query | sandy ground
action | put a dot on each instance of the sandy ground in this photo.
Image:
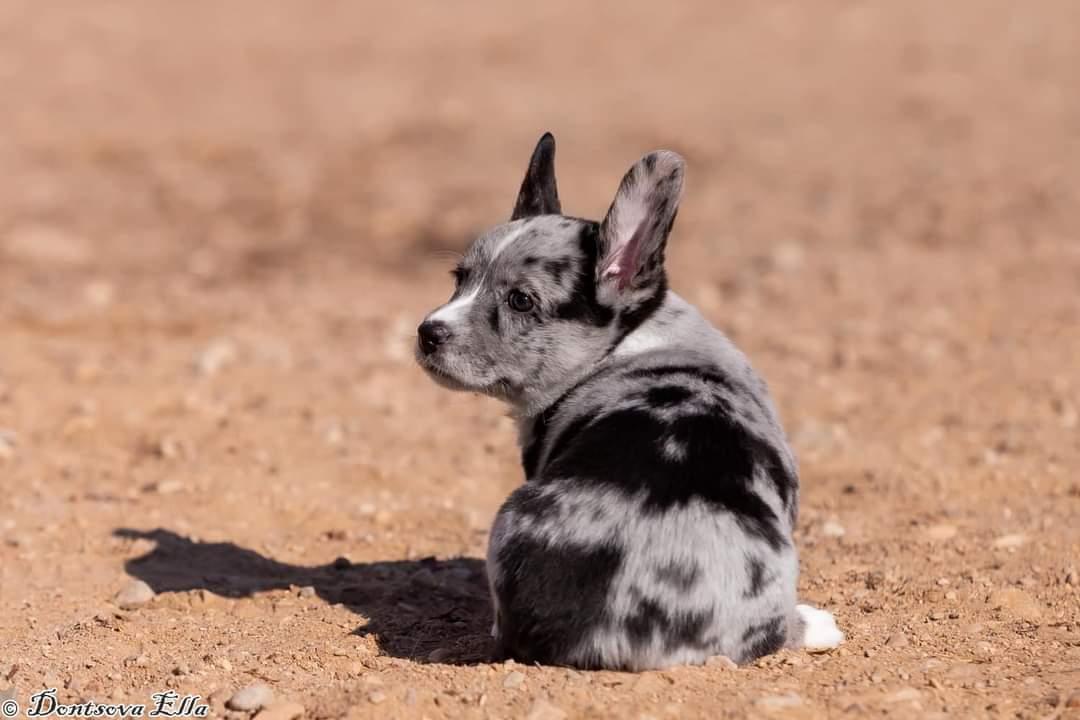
(220, 223)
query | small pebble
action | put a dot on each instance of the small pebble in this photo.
(181, 670)
(897, 640)
(216, 356)
(832, 529)
(779, 702)
(99, 293)
(7, 444)
(1010, 541)
(307, 592)
(165, 487)
(1073, 578)
(907, 694)
(376, 696)
(251, 698)
(1016, 602)
(281, 711)
(543, 710)
(941, 532)
(135, 594)
(167, 449)
(513, 680)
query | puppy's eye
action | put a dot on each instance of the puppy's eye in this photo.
(459, 276)
(519, 301)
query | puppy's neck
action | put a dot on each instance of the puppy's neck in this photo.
(673, 324)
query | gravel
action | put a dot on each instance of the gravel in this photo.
(251, 698)
(1016, 602)
(135, 594)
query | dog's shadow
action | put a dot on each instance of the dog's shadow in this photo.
(413, 607)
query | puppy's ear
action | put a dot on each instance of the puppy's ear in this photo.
(633, 236)
(538, 195)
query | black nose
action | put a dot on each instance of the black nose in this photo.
(432, 334)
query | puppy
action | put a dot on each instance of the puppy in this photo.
(655, 526)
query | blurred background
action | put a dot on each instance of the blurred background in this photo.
(221, 222)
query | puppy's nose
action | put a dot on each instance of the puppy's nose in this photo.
(432, 334)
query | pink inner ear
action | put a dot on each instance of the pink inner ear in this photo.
(623, 261)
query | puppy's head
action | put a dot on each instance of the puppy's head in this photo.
(539, 300)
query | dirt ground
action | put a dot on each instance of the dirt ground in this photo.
(221, 222)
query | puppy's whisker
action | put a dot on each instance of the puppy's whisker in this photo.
(444, 255)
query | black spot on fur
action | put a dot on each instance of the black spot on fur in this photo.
(582, 306)
(493, 318)
(667, 396)
(764, 639)
(530, 260)
(755, 569)
(570, 433)
(551, 596)
(631, 318)
(530, 501)
(675, 629)
(783, 476)
(650, 162)
(680, 576)
(558, 268)
(622, 450)
(530, 455)
(659, 211)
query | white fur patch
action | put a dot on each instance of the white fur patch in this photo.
(821, 632)
(674, 449)
(643, 340)
(505, 241)
(455, 310)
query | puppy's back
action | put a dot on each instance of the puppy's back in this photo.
(656, 524)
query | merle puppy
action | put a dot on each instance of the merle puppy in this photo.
(655, 525)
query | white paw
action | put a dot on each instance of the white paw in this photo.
(821, 632)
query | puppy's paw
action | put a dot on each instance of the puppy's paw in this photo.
(819, 629)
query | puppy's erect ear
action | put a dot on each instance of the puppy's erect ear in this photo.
(538, 195)
(630, 257)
